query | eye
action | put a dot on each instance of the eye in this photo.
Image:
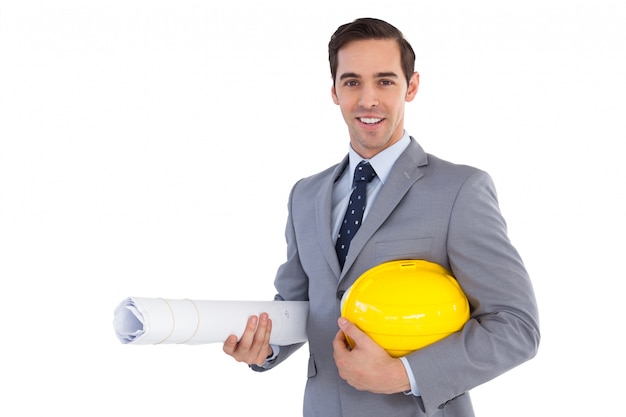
(351, 83)
(386, 82)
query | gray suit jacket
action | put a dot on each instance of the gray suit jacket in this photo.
(427, 209)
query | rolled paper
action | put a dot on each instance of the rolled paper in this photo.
(146, 321)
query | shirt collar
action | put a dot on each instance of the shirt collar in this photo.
(384, 160)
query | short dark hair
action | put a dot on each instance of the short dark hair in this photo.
(370, 28)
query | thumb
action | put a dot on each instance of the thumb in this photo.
(352, 332)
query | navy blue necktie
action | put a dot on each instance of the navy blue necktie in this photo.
(363, 174)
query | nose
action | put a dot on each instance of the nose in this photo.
(368, 98)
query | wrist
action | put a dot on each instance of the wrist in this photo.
(401, 379)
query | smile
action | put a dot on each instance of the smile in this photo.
(370, 120)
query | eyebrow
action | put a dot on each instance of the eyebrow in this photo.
(389, 74)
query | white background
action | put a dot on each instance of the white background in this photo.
(127, 131)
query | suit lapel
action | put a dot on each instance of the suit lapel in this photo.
(323, 209)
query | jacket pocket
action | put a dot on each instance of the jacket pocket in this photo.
(403, 249)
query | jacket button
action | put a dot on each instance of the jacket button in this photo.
(340, 294)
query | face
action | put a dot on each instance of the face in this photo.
(371, 91)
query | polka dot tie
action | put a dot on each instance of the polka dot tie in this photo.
(363, 174)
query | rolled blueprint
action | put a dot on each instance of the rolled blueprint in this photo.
(144, 321)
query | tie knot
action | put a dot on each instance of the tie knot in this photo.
(364, 172)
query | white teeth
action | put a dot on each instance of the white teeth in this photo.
(369, 120)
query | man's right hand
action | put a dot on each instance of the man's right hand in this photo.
(254, 346)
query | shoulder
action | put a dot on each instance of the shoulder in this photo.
(439, 173)
(315, 181)
(437, 165)
(434, 167)
(445, 178)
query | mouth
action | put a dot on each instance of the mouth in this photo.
(370, 121)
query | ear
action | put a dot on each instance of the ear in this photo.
(333, 93)
(414, 83)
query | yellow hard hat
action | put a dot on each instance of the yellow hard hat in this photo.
(405, 305)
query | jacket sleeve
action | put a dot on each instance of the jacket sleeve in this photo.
(503, 330)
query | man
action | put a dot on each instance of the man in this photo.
(417, 207)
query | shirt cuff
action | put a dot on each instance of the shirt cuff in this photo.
(269, 360)
(414, 389)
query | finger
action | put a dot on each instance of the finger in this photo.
(230, 345)
(260, 347)
(245, 343)
(267, 351)
(267, 325)
(339, 342)
(341, 354)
